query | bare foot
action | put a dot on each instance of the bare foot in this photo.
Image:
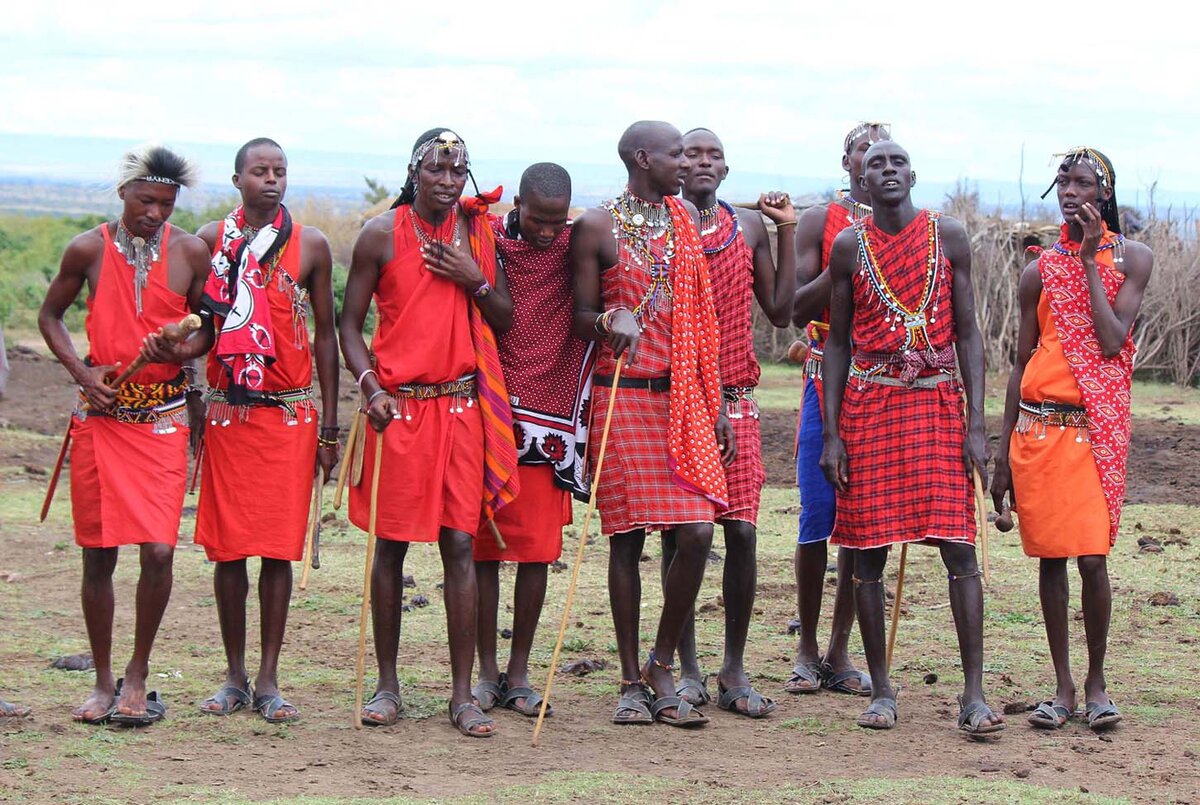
(97, 706)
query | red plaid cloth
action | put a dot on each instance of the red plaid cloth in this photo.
(637, 486)
(746, 476)
(731, 271)
(906, 477)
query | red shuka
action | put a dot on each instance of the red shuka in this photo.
(731, 270)
(127, 481)
(906, 477)
(258, 465)
(432, 470)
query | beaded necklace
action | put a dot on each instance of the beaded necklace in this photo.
(139, 253)
(737, 228)
(1117, 243)
(709, 220)
(855, 210)
(915, 319)
(640, 223)
(437, 234)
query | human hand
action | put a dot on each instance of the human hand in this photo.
(726, 440)
(778, 207)
(835, 463)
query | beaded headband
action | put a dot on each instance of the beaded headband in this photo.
(157, 179)
(865, 127)
(1094, 160)
(446, 141)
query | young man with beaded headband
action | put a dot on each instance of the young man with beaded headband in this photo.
(261, 441)
(814, 239)
(435, 399)
(1065, 441)
(740, 268)
(129, 442)
(642, 289)
(897, 449)
(546, 368)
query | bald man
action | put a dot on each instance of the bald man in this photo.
(642, 290)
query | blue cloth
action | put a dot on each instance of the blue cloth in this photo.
(817, 497)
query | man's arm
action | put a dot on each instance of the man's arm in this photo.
(458, 265)
(365, 263)
(1113, 322)
(813, 284)
(1029, 291)
(315, 247)
(157, 349)
(588, 254)
(835, 367)
(774, 288)
(957, 248)
(83, 252)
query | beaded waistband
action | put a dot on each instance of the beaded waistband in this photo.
(292, 402)
(926, 382)
(163, 405)
(1033, 415)
(462, 387)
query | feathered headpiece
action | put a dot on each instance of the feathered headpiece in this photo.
(155, 163)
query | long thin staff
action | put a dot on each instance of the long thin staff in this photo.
(314, 521)
(583, 532)
(981, 514)
(366, 599)
(896, 604)
(347, 459)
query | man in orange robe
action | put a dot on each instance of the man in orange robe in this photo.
(642, 288)
(261, 440)
(545, 369)
(435, 400)
(129, 443)
(1066, 418)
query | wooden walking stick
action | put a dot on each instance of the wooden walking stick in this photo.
(366, 599)
(981, 513)
(173, 333)
(347, 459)
(314, 525)
(896, 604)
(587, 518)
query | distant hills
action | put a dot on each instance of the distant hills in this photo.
(73, 175)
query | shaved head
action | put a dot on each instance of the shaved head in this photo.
(645, 135)
(886, 146)
(700, 131)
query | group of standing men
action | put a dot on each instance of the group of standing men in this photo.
(498, 342)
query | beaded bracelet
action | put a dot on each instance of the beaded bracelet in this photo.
(323, 442)
(785, 223)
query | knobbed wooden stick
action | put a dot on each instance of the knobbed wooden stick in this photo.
(313, 524)
(587, 519)
(366, 600)
(896, 605)
(981, 513)
(173, 333)
(347, 459)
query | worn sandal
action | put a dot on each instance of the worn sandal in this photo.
(693, 691)
(372, 707)
(240, 698)
(1102, 716)
(155, 711)
(104, 716)
(840, 682)
(465, 726)
(533, 702)
(806, 678)
(757, 705)
(1049, 716)
(488, 693)
(269, 705)
(885, 708)
(635, 700)
(686, 715)
(972, 716)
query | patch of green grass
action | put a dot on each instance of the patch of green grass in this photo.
(577, 644)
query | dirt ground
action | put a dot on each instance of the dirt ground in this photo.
(808, 742)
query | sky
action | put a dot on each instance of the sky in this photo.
(967, 87)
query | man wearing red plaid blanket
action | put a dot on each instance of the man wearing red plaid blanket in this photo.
(642, 288)
(897, 449)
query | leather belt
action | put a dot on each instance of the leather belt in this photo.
(657, 384)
